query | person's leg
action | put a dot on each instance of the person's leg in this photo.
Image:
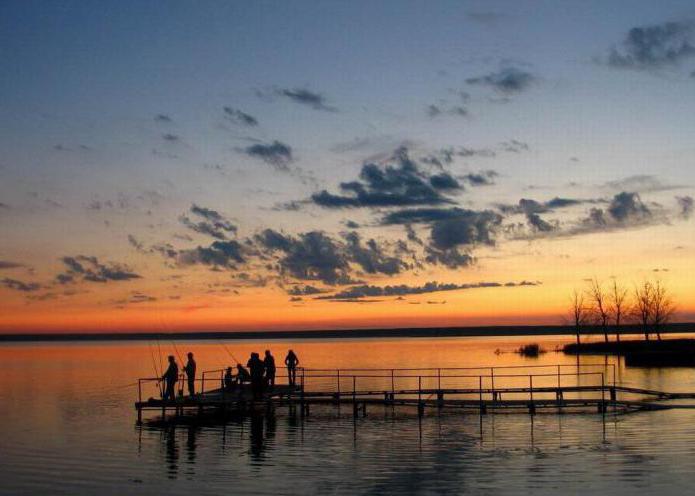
(191, 386)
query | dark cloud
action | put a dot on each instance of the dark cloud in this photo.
(309, 256)
(136, 297)
(368, 291)
(509, 80)
(305, 290)
(370, 257)
(654, 46)
(628, 207)
(451, 258)
(171, 138)
(444, 181)
(625, 210)
(685, 206)
(5, 264)
(163, 118)
(400, 182)
(213, 223)
(88, 268)
(469, 228)
(239, 117)
(277, 154)
(529, 206)
(539, 224)
(305, 97)
(16, 285)
(482, 178)
(351, 224)
(4, 205)
(225, 254)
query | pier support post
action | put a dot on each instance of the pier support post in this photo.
(420, 408)
(532, 408)
(139, 415)
(440, 399)
(613, 394)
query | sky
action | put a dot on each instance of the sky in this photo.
(170, 166)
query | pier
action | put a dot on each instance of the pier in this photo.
(512, 389)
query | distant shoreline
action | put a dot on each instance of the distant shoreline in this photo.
(415, 332)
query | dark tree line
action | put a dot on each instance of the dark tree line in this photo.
(650, 305)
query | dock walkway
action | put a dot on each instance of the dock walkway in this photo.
(551, 388)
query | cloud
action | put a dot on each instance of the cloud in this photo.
(277, 154)
(508, 81)
(213, 223)
(239, 117)
(4, 206)
(368, 291)
(5, 264)
(305, 290)
(135, 243)
(641, 183)
(482, 178)
(219, 254)
(529, 206)
(685, 204)
(87, 268)
(20, 285)
(306, 97)
(171, 138)
(539, 224)
(136, 297)
(469, 228)
(653, 47)
(371, 258)
(437, 110)
(163, 118)
(400, 182)
(451, 258)
(309, 256)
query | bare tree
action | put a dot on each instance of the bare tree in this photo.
(599, 305)
(642, 309)
(618, 305)
(579, 312)
(662, 307)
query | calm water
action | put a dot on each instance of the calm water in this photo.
(69, 428)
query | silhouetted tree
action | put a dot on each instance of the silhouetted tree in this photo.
(618, 305)
(599, 305)
(642, 309)
(662, 307)
(579, 312)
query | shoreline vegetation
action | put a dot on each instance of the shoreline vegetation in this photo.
(414, 332)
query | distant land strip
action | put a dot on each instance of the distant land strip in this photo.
(412, 332)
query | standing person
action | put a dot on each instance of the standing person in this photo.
(269, 363)
(170, 377)
(255, 365)
(190, 373)
(229, 380)
(292, 361)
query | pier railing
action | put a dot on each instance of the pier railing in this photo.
(516, 382)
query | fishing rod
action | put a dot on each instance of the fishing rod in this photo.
(230, 353)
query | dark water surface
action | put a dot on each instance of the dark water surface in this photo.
(68, 427)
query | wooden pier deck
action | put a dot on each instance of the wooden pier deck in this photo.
(531, 389)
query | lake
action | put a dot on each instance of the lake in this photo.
(69, 427)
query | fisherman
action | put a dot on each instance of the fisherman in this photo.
(229, 380)
(292, 361)
(190, 373)
(256, 366)
(269, 363)
(242, 374)
(170, 377)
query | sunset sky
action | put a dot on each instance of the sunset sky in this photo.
(287, 165)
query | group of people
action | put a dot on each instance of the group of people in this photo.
(260, 374)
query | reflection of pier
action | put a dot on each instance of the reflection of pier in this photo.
(551, 388)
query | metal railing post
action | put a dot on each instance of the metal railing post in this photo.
(492, 381)
(393, 387)
(558, 377)
(439, 378)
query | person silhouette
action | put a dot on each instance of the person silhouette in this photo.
(229, 380)
(256, 366)
(242, 375)
(170, 377)
(291, 361)
(269, 363)
(190, 373)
